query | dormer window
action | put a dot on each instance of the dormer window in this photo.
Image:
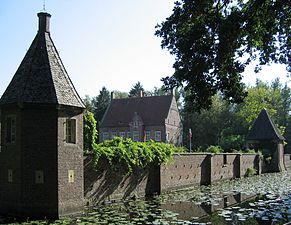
(70, 131)
(135, 124)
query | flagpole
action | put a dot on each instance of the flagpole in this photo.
(190, 137)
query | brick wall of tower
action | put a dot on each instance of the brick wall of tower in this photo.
(10, 158)
(70, 158)
(39, 160)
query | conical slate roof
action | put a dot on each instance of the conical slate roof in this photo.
(41, 76)
(264, 129)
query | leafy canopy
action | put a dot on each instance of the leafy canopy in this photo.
(214, 40)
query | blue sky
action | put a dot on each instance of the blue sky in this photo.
(101, 43)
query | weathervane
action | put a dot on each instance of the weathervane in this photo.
(43, 6)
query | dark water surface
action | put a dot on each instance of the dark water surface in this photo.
(264, 199)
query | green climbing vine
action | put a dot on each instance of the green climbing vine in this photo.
(128, 154)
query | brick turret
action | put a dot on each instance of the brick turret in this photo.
(41, 158)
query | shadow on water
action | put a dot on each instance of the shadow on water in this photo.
(263, 200)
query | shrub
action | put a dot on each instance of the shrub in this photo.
(130, 154)
(90, 132)
(214, 149)
(251, 172)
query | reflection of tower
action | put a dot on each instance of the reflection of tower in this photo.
(41, 158)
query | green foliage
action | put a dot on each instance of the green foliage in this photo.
(232, 142)
(130, 154)
(88, 103)
(136, 89)
(253, 151)
(251, 172)
(100, 103)
(227, 124)
(214, 149)
(120, 94)
(213, 42)
(90, 132)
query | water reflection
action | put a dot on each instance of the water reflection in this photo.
(188, 210)
(259, 200)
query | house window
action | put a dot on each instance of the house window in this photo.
(113, 135)
(135, 136)
(147, 135)
(135, 124)
(71, 131)
(168, 137)
(11, 129)
(105, 136)
(158, 135)
(128, 135)
(122, 134)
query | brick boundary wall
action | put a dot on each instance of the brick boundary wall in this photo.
(287, 161)
(185, 170)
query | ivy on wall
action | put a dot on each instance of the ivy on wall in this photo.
(128, 154)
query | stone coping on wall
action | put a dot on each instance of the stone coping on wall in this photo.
(209, 153)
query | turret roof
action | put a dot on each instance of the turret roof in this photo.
(264, 129)
(41, 76)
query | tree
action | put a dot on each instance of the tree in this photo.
(90, 132)
(158, 91)
(136, 90)
(88, 103)
(207, 125)
(214, 40)
(120, 94)
(101, 103)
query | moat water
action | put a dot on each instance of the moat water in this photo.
(262, 200)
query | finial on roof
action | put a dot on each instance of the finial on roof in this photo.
(43, 6)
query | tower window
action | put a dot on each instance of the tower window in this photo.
(10, 176)
(11, 129)
(71, 131)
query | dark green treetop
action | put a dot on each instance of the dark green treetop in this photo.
(214, 40)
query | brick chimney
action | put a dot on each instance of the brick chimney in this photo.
(112, 95)
(141, 94)
(43, 22)
(173, 91)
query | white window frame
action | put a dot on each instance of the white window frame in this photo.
(158, 135)
(147, 135)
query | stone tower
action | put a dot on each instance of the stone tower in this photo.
(41, 157)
